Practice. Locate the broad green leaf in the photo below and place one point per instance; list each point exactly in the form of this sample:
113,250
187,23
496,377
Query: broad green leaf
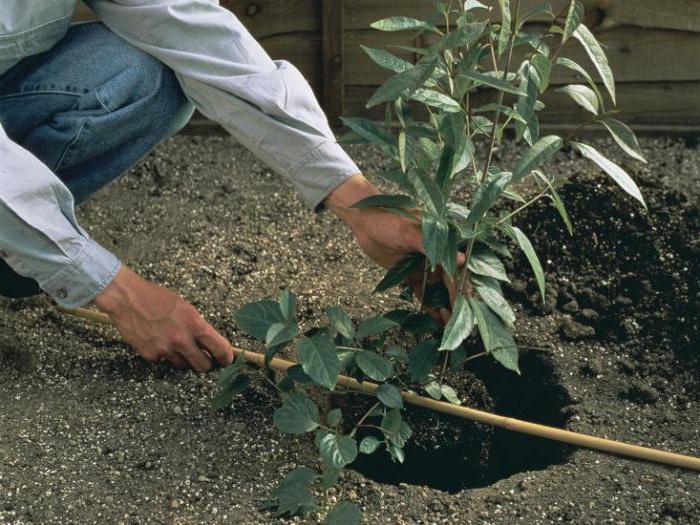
337,451
318,357
256,318
435,99
388,201
387,60
280,334
432,388
335,417
543,67
506,23
497,341
404,84
230,372
597,56
234,387
422,359
624,137
374,366
344,513
400,272
330,477
396,453
536,155
397,353
573,19
391,422
296,373
341,322
437,296
486,195
460,325
400,438
616,172
435,231
390,396
372,132
403,23
374,326
427,191
529,250
293,496
491,81
369,445
573,66
288,306
450,394
297,415
484,262
583,96
490,292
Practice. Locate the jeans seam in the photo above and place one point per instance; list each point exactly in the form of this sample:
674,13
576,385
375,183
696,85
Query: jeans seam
42,92
71,145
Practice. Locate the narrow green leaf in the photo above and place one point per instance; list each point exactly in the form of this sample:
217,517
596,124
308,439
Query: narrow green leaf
387,60
529,250
597,56
624,137
573,66
372,132
341,322
404,84
491,293
318,357
619,175
583,96
389,201
399,272
473,4
297,415
256,318
344,513
435,99
402,151
374,366
573,19
486,195
463,36
403,23
543,67
497,341
427,191
374,326
491,81
506,23
460,325
390,396
536,155
435,231
508,111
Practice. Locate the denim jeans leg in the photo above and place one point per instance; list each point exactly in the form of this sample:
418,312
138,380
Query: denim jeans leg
89,108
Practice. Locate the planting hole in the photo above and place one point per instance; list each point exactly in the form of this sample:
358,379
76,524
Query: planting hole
452,454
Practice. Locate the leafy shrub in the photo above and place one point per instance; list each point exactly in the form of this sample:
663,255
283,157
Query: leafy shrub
468,53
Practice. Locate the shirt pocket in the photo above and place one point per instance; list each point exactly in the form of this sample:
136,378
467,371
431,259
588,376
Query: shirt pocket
39,37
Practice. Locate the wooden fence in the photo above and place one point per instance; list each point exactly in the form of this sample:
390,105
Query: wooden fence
653,47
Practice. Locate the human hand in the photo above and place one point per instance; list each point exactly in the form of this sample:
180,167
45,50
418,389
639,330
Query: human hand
387,238
160,325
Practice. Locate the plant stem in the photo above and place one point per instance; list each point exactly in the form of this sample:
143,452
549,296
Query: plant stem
444,367
521,208
363,418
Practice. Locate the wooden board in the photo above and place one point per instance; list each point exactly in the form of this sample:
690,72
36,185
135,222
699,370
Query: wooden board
683,15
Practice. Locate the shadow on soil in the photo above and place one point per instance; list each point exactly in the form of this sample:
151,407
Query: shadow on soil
474,455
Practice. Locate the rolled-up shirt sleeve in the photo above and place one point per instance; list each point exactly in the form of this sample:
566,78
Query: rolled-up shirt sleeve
267,105
39,234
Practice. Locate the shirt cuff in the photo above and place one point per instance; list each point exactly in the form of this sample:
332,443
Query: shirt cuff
318,173
81,281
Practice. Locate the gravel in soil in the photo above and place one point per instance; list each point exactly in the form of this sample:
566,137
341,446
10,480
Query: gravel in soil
89,433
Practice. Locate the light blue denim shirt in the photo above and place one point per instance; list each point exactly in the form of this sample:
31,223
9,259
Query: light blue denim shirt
267,105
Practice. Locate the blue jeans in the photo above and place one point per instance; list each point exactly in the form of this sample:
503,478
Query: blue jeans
89,108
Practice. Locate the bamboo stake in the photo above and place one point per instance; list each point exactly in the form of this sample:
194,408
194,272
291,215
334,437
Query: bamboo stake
515,425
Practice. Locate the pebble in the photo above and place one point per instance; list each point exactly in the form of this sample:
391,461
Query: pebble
574,331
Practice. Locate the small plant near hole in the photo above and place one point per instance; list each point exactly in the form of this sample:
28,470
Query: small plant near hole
468,53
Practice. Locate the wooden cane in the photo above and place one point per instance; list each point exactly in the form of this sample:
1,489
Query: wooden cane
509,423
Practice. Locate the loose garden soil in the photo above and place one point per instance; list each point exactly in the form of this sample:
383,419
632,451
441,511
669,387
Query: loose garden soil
89,433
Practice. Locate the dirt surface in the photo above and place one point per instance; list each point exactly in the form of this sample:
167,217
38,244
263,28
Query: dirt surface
91,434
